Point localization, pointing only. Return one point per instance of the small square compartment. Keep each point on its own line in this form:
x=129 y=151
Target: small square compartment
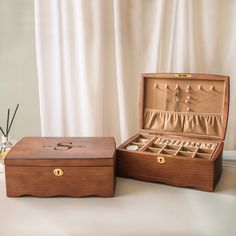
x=140 y=145
x=188 y=149
x=157 y=145
x=204 y=151
x=143 y=139
x=203 y=156
x=171 y=147
x=152 y=149
x=185 y=154
x=168 y=152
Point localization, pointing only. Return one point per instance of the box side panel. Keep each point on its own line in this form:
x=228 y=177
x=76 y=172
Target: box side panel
x=75 y=181
x=218 y=168
x=175 y=171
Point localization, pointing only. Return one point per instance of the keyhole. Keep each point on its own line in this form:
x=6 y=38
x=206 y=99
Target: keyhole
x=58 y=172
x=161 y=160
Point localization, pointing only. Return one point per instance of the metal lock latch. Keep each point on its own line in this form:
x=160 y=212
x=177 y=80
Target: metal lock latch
x=161 y=160
x=58 y=172
x=183 y=75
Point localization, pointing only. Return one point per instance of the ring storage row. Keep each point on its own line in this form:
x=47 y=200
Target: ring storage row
x=173 y=147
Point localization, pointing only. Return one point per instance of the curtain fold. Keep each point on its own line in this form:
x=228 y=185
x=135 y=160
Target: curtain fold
x=90 y=55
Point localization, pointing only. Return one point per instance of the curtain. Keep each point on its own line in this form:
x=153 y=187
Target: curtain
x=90 y=55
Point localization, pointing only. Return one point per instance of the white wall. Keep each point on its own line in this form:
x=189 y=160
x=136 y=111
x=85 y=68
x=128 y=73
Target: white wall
x=18 y=74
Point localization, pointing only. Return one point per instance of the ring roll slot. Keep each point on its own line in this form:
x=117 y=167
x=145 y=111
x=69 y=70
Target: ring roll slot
x=185 y=154
x=203 y=156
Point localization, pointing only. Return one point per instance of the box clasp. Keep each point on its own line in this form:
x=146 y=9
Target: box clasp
x=183 y=75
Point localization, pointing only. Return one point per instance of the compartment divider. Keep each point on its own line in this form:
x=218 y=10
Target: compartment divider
x=178 y=149
x=162 y=148
x=172 y=146
x=146 y=145
x=195 y=152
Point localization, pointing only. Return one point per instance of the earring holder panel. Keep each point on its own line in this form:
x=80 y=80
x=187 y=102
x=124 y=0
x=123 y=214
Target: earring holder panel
x=200 y=94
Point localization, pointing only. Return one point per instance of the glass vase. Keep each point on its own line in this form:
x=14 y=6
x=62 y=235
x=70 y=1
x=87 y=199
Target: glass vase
x=5 y=146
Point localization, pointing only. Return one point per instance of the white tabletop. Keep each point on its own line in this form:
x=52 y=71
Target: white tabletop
x=138 y=208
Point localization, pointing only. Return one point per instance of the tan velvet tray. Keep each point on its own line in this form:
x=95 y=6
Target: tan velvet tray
x=183 y=120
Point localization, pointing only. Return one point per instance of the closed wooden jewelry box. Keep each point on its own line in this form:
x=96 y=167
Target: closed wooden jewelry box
x=61 y=166
x=182 y=120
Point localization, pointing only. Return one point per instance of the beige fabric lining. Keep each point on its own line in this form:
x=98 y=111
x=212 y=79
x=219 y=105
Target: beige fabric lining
x=183 y=122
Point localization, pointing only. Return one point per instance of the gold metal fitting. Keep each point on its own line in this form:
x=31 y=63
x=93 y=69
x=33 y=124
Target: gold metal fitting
x=183 y=75
x=58 y=172
x=161 y=160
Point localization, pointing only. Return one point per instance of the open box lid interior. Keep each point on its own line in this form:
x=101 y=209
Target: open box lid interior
x=184 y=104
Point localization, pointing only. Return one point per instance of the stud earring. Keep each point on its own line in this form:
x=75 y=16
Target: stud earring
x=176 y=97
x=187 y=100
x=166 y=93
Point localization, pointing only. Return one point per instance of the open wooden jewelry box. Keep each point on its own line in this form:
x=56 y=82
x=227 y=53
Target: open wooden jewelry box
x=183 y=120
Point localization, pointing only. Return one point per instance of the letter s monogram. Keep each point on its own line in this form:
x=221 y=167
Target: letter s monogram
x=63 y=146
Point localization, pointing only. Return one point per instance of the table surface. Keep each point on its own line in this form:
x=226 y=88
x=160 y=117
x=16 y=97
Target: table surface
x=138 y=208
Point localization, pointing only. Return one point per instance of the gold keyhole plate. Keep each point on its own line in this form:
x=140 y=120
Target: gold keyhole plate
x=161 y=160
x=58 y=172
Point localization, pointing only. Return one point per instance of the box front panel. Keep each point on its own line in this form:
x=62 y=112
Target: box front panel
x=60 y=181
x=174 y=171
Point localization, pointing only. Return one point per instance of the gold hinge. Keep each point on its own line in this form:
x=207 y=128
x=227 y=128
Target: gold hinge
x=183 y=75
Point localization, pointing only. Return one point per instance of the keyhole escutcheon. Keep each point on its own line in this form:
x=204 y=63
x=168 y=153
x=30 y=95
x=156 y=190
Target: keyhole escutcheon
x=58 y=172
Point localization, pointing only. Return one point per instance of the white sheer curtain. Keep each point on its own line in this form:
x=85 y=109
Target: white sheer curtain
x=90 y=54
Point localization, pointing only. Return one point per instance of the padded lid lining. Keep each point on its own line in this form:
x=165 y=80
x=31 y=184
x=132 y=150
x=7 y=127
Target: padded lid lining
x=195 y=104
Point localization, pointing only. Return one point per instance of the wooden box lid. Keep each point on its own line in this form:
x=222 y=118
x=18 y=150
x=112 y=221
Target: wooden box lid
x=62 y=151
x=194 y=105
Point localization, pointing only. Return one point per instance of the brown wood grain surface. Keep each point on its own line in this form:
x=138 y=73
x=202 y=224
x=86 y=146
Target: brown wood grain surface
x=75 y=182
x=64 y=151
x=177 y=170
x=88 y=166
